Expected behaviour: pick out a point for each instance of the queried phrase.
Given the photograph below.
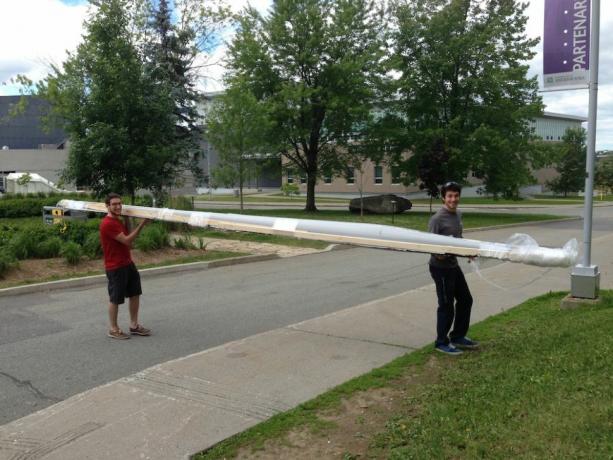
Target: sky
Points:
(36, 33)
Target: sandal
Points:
(140, 330)
(118, 334)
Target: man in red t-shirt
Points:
(123, 277)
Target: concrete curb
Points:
(100, 280)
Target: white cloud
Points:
(36, 33)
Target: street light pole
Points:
(585, 277)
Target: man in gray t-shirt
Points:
(454, 298)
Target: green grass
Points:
(274, 198)
(504, 202)
(541, 386)
(417, 220)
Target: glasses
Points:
(451, 184)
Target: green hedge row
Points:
(72, 240)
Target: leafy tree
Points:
(315, 64)
(237, 125)
(433, 169)
(604, 173)
(462, 66)
(571, 163)
(173, 53)
(116, 117)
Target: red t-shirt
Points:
(116, 254)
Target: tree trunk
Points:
(240, 182)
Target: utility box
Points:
(55, 215)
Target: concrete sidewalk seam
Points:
(353, 339)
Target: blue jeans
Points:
(454, 303)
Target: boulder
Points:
(381, 204)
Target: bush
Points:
(20, 246)
(71, 251)
(184, 243)
(92, 247)
(153, 236)
(6, 261)
(77, 231)
(17, 205)
(48, 248)
(181, 202)
(290, 189)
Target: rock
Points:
(381, 204)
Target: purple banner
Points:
(566, 44)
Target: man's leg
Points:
(463, 306)
(134, 306)
(113, 312)
(445, 312)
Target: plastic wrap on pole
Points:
(519, 248)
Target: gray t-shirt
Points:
(447, 223)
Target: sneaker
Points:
(140, 330)
(118, 334)
(448, 349)
(464, 342)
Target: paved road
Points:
(53, 345)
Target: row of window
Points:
(350, 176)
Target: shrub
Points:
(77, 231)
(71, 251)
(154, 236)
(48, 248)
(92, 247)
(181, 202)
(20, 246)
(290, 189)
(184, 243)
(6, 261)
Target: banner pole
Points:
(585, 277)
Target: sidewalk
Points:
(181, 407)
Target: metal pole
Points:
(585, 277)
(591, 134)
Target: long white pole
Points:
(522, 249)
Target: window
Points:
(290, 178)
(350, 175)
(303, 179)
(396, 174)
(327, 179)
(378, 174)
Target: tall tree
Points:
(114, 114)
(169, 54)
(237, 125)
(315, 64)
(571, 162)
(462, 66)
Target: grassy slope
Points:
(540, 387)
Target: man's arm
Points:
(131, 236)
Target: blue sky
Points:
(40, 31)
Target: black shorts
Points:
(123, 282)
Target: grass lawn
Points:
(541, 386)
(416, 220)
(276, 198)
(535, 201)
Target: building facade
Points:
(378, 178)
